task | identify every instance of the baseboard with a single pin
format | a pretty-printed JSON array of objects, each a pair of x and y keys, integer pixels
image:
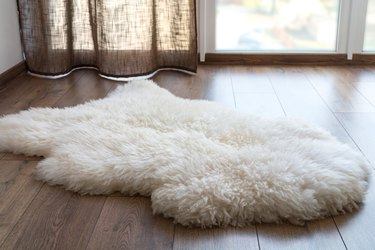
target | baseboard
[
  {"x": 13, "y": 72},
  {"x": 366, "y": 59},
  {"x": 287, "y": 59}
]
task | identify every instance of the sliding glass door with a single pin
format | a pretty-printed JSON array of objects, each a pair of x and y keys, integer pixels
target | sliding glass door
[{"x": 287, "y": 26}]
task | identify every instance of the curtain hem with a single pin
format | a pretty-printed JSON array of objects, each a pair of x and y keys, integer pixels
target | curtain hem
[{"x": 130, "y": 77}]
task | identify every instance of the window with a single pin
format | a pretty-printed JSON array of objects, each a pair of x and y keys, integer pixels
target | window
[
  {"x": 369, "y": 44},
  {"x": 291, "y": 25},
  {"x": 286, "y": 26}
]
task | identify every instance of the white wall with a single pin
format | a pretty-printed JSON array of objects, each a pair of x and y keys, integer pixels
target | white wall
[{"x": 10, "y": 43}]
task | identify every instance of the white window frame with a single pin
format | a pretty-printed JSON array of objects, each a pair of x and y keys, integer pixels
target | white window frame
[{"x": 350, "y": 30}]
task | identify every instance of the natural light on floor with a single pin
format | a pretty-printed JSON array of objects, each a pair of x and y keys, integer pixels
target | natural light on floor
[{"x": 281, "y": 25}]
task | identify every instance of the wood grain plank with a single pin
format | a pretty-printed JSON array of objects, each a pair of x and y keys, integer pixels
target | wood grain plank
[
  {"x": 52, "y": 90},
  {"x": 13, "y": 92},
  {"x": 90, "y": 87},
  {"x": 250, "y": 80},
  {"x": 364, "y": 73},
  {"x": 321, "y": 234},
  {"x": 17, "y": 190},
  {"x": 179, "y": 84},
  {"x": 12, "y": 73},
  {"x": 215, "y": 238},
  {"x": 360, "y": 126},
  {"x": 56, "y": 219},
  {"x": 128, "y": 223},
  {"x": 81, "y": 214},
  {"x": 300, "y": 100},
  {"x": 217, "y": 84},
  {"x": 357, "y": 228},
  {"x": 265, "y": 105},
  {"x": 210, "y": 83},
  {"x": 36, "y": 92},
  {"x": 12, "y": 81},
  {"x": 334, "y": 87},
  {"x": 367, "y": 89}
]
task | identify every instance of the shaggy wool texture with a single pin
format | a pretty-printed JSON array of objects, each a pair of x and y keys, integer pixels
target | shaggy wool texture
[{"x": 201, "y": 163}]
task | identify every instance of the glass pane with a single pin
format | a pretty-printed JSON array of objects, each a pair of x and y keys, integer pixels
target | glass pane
[
  {"x": 370, "y": 27},
  {"x": 281, "y": 25}
]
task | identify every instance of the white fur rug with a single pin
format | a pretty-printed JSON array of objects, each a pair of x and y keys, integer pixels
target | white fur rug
[{"x": 201, "y": 163}]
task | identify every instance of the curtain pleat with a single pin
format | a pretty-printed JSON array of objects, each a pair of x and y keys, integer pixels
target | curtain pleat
[{"x": 121, "y": 38}]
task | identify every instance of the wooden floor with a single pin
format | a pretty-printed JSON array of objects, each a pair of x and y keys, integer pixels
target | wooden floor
[{"x": 34, "y": 215}]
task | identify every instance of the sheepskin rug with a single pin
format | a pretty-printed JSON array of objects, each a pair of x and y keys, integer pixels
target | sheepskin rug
[{"x": 201, "y": 163}]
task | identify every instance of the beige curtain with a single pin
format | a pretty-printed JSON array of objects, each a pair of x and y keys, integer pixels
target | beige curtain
[{"x": 121, "y": 38}]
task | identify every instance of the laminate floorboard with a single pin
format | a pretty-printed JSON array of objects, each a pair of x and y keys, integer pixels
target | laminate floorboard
[
  {"x": 315, "y": 235},
  {"x": 89, "y": 87},
  {"x": 339, "y": 94},
  {"x": 248, "y": 79},
  {"x": 357, "y": 228},
  {"x": 128, "y": 223},
  {"x": 210, "y": 83},
  {"x": 215, "y": 238},
  {"x": 56, "y": 219},
  {"x": 301, "y": 101},
  {"x": 7, "y": 84},
  {"x": 360, "y": 126},
  {"x": 36, "y": 92},
  {"x": 17, "y": 189},
  {"x": 265, "y": 105}
]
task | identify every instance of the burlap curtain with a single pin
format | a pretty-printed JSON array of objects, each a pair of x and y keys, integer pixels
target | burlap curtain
[{"x": 121, "y": 38}]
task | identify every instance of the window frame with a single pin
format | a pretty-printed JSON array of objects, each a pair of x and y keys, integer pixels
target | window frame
[{"x": 350, "y": 37}]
